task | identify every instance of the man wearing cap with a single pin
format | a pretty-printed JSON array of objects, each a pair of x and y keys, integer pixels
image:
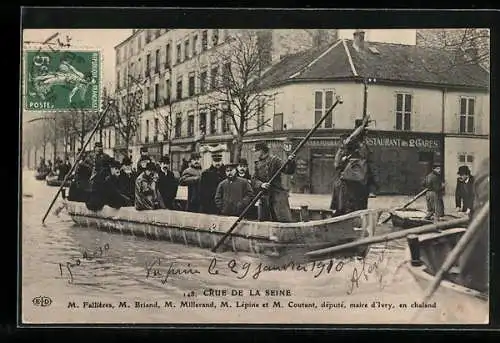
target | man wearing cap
[
  {"x": 190, "y": 177},
  {"x": 126, "y": 180},
  {"x": 167, "y": 183},
  {"x": 434, "y": 196},
  {"x": 143, "y": 160},
  {"x": 234, "y": 193},
  {"x": 274, "y": 205},
  {"x": 147, "y": 196},
  {"x": 209, "y": 180},
  {"x": 464, "y": 192}
]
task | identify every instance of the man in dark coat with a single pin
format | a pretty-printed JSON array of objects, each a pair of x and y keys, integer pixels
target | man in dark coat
[
  {"x": 464, "y": 192},
  {"x": 64, "y": 168},
  {"x": 126, "y": 180},
  {"x": 434, "y": 195},
  {"x": 209, "y": 180},
  {"x": 274, "y": 205},
  {"x": 113, "y": 195},
  {"x": 143, "y": 160},
  {"x": 190, "y": 177},
  {"x": 147, "y": 196},
  {"x": 243, "y": 169},
  {"x": 233, "y": 194},
  {"x": 80, "y": 186},
  {"x": 167, "y": 183},
  {"x": 101, "y": 170}
]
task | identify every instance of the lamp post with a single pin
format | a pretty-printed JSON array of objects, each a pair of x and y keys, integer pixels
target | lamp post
[{"x": 366, "y": 82}]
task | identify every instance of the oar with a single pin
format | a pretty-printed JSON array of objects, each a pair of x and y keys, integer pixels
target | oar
[
  {"x": 390, "y": 236},
  {"x": 474, "y": 227},
  {"x": 415, "y": 198},
  {"x": 101, "y": 118},
  {"x": 276, "y": 174}
]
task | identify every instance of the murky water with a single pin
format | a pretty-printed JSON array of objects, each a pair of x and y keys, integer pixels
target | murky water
[{"x": 74, "y": 264}]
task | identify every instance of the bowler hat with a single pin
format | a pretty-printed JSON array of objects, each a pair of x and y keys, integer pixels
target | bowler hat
[
  {"x": 98, "y": 145},
  {"x": 243, "y": 162},
  {"x": 126, "y": 161},
  {"x": 261, "y": 146},
  {"x": 230, "y": 165},
  {"x": 165, "y": 159},
  {"x": 144, "y": 149},
  {"x": 151, "y": 166},
  {"x": 463, "y": 170},
  {"x": 216, "y": 158},
  {"x": 114, "y": 164}
]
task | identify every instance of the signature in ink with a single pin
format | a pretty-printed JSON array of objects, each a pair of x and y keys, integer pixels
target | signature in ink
[
  {"x": 156, "y": 269},
  {"x": 76, "y": 262},
  {"x": 367, "y": 269}
]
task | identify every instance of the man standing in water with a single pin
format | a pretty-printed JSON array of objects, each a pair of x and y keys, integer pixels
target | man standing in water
[{"x": 274, "y": 205}]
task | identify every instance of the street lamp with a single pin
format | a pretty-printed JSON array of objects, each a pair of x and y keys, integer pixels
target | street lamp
[{"x": 366, "y": 81}]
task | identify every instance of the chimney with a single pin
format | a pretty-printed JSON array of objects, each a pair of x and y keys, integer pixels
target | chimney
[{"x": 359, "y": 39}]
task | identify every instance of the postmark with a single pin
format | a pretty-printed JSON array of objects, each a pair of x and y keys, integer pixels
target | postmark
[{"x": 61, "y": 79}]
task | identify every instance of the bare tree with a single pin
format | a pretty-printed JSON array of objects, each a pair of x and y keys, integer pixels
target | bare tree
[
  {"x": 81, "y": 122},
  {"x": 238, "y": 88},
  {"x": 466, "y": 46},
  {"x": 125, "y": 117}
]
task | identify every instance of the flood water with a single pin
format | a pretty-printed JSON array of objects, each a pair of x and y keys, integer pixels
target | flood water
[{"x": 112, "y": 268}]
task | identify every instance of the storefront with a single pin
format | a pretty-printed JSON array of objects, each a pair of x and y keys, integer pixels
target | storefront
[{"x": 400, "y": 160}]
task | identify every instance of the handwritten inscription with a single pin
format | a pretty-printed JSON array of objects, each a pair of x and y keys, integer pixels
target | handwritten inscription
[{"x": 86, "y": 255}]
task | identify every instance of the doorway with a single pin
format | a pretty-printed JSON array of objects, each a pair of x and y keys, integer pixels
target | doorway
[{"x": 322, "y": 171}]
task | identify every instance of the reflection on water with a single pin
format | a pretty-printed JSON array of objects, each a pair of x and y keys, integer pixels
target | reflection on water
[{"x": 67, "y": 262}]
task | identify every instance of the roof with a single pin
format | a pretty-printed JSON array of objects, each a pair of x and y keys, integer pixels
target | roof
[{"x": 383, "y": 61}]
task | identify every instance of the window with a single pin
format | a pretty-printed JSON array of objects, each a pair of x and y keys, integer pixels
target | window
[
  {"x": 157, "y": 130},
  {"x": 147, "y": 98},
  {"x": 168, "y": 57},
  {"x": 157, "y": 61},
  {"x": 186, "y": 49},
  {"x": 195, "y": 43},
  {"x": 109, "y": 139},
  {"x": 132, "y": 69},
  {"x": 146, "y": 139},
  {"x": 215, "y": 36},
  {"x": 226, "y": 120},
  {"x": 323, "y": 100},
  {"x": 260, "y": 116},
  {"x": 148, "y": 36},
  {"x": 278, "y": 122},
  {"x": 148, "y": 64},
  {"x": 213, "y": 121},
  {"x": 167, "y": 90},
  {"x": 157, "y": 94},
  {"x": 131, "y": 48},
  {"x": 467, "y": 110},
  {"x": 190, "y": 128},
  {"x": 226, "y": 76},
  {"x": 203, "y": 122},
  {"x": 179, "y": 89},
  {"x": 214, "y": 75},
  {"x": 178, "y": 125},
  {"x": 139, "y": 67},
  {"x": 403, "y": 111},
  {"x": 465, "y": 159},
  {"x": 204, "y": 40},
  {"x": 139, "y": 43},
  {"x": 179, "y": 53},
  {"x": 203, "y": 81},
  {"x": 118, "y": 56},
  {"x": 191, "y": 90},
  {"x": 118, "y": 78}
]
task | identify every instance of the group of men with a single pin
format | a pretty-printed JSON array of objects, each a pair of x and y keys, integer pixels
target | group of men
[{"x": 60, "y": 167}]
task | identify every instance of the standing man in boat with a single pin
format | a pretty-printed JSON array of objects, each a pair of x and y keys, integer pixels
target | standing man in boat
[
  {"x": 209, "y": 180},
  {"x": 190, "y": 177},
  {"x": 101, "y": 170},
  {"x": 434, "y": 195},
  {"x": 143, "y": 160},
  {"x": 353, "y": 176},
  {"x": 113, "y": 194},
  {"x": 167, "y": 183},
  {"x": 126, "y": 180},
  {"x": 147, "y": 196},
  {"x": 234, "y": 193},
  {"x": 79, "y": 188},
  {"x": 274, "y": 205},
  {"x": 464, "y": 192}
]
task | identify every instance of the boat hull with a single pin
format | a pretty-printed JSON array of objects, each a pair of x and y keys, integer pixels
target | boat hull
[
  {"x": 41, "y": 176},
  {"x": 461, "y": 304},
  {"x": 410, "y": 218},
  {"x": 55, "y": 182},
  {"x": 204, "y": 230}
]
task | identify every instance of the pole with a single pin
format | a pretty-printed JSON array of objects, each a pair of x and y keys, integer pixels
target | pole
[
  {"x": 101, "y": 118},
  {"x": 277, "y": 173},
  {"x": 365, "y": 96},
  {"x": 415, "y": 198}
]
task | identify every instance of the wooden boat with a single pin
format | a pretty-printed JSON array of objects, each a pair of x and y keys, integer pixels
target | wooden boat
[
  {"x": 204, "y": 230},
  {"x": 41, "y": 175},
  {"x": 462, "y": 303},
  {"x": 53, "y": 180},
  {"x": 411, "y": 217}
]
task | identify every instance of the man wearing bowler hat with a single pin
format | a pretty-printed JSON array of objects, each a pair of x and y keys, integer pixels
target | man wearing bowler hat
[
  {"x": 101, "y": 170},
  {"x": 274, "y": 205},
  {"x": 143, "y": 160},
  {"x": 167, "y": 183},
  {"x": 464, "y": 192},
  {"x": 209, "y": 180}
]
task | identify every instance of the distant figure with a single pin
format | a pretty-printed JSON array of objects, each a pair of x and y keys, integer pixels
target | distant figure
[
  {"x": 167, "y": 183},
  {"x": 209, "y": 180},
  {"x": 434, "y": 196},
  {"x": 233, "y": 194},
  {"x": 464, "y": 192},
  {"x": 190, "y": 177},
  {"x": 64, "y": 168},
  {"x": 274, "y": 205},
  {"x": 147, "y": 196}
]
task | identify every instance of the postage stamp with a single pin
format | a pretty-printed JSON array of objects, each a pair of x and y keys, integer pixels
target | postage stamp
[{"x": 60, "y": 80}]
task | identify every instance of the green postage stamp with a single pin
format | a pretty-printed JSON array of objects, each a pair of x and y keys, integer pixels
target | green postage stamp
[{"x": 61, "y": 80}]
